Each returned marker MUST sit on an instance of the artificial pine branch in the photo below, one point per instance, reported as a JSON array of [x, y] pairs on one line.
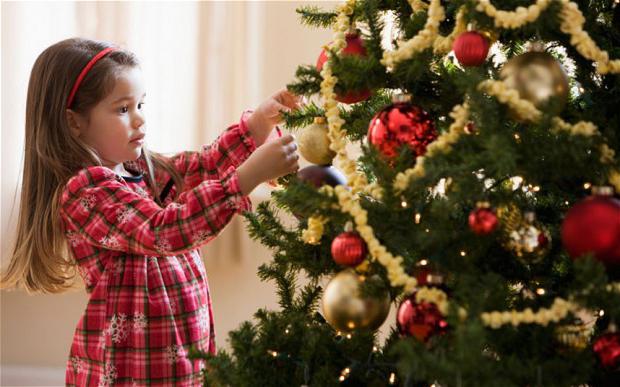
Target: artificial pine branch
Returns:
[[313, 16]]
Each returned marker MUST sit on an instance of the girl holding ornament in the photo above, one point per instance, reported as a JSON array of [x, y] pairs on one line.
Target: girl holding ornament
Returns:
[[133, 220]]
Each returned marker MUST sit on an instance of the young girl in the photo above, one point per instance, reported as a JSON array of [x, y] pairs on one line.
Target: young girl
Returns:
[[133, 220]]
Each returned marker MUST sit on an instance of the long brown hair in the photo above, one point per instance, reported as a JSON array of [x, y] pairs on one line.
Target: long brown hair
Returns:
[[40, 260]]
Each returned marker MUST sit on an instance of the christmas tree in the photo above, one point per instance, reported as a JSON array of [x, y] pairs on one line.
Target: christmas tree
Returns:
[[482, 205]]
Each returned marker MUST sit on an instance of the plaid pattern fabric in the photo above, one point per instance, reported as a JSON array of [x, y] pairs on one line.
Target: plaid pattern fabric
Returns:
[[149, 297]]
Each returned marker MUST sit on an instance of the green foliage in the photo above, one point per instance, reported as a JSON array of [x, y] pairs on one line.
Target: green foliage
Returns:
[[313, 16], [488, 277]]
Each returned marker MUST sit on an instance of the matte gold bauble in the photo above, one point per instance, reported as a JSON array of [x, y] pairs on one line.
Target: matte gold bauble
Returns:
[[314, 144], [539, 78], [344, 307]]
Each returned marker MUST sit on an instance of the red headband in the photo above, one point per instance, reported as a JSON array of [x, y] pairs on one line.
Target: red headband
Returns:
[[85, 71]]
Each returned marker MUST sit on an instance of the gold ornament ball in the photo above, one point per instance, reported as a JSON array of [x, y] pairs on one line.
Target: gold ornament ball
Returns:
[[574, 337], [314, 144], [539, 78], [527, 239], [344, 307]]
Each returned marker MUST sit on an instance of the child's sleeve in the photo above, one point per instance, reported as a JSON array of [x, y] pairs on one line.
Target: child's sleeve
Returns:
[[230, 149], [98, 206]]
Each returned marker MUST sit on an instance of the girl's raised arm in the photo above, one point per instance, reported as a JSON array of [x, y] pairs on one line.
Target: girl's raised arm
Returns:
[[98, 207], [230, 149]]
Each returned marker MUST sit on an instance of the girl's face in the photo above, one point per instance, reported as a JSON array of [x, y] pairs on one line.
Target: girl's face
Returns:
[[115, 127]]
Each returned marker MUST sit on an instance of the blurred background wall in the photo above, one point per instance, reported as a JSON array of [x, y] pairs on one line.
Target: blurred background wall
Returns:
[[204, 63]]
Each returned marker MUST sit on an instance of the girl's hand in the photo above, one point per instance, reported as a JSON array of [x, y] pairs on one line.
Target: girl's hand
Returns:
[[268, 114], [269, 161]]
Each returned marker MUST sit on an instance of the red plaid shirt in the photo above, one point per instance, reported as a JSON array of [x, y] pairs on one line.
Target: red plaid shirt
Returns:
[[149, 298]]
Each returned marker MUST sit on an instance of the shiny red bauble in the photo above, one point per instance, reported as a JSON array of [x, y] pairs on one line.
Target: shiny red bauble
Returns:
[[420, 320], [471, 48], [349, 249], [401, 124], [607, 349], [593, 226], [355, 46], [483, 221], [319, 175]]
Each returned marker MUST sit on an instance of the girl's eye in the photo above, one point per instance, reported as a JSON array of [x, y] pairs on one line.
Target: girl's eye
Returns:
[[123, 109], [140, 105]]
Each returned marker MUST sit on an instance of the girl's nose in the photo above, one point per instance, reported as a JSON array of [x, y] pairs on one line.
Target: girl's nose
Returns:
[[138, 121]]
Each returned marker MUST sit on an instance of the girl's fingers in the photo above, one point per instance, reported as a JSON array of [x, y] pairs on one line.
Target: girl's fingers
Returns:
[[292, 157], [282, 108], [287, 138], [294, 167], [289, 99]]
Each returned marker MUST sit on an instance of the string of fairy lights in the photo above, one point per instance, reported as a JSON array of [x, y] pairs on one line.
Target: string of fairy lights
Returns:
[[572, 22]]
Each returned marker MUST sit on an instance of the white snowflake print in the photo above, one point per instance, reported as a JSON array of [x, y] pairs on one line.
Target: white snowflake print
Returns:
[[74, 238], [175, 205], [162, 245], [101, 343], [174, 352], [139, 322], [88, 202], [123, 215], [203, 319], [200, 236], [117, 329], [110, 242], [78, 365], [85, 275], [108, 377]]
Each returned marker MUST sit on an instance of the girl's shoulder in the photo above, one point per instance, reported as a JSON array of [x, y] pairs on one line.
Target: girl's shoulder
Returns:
[[90, 177]]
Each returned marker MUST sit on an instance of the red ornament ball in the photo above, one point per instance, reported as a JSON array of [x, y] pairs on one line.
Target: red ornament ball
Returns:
[[593, 226], [349, 249], [483, 221], [401, 124], [471, 48], [318, 175], [420, 320], [355, 46], [607, 349], [426, 275], [422, 274]]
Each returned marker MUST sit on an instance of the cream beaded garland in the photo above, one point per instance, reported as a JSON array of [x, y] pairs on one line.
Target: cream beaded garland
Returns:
[[558, 310], [514, 19], [460, 114], [572, 23], [356, 181], [393, 265], [443, 44], [423, 40], [526, 110], [313, 234]]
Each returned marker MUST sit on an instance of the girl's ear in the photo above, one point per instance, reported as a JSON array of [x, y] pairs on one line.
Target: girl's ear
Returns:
[[74, 120]]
